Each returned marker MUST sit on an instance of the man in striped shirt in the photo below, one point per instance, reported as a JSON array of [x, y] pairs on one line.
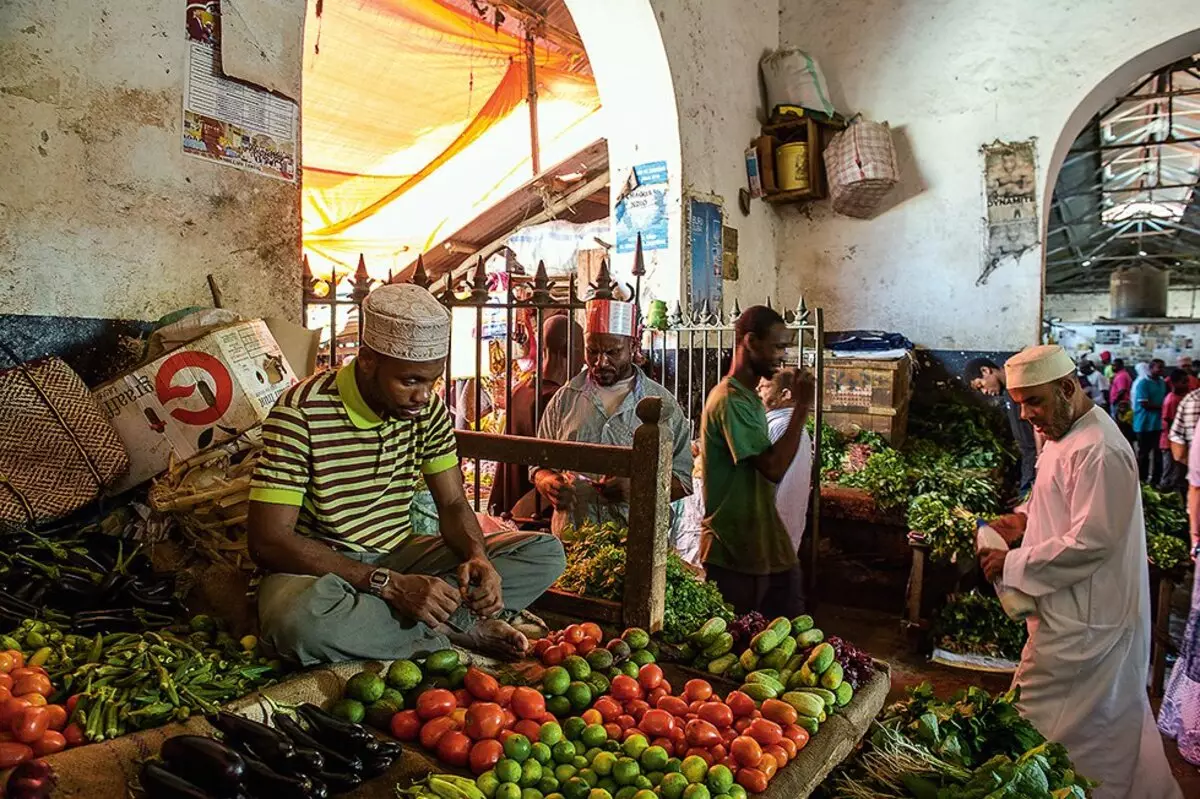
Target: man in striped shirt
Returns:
[[329, 509]]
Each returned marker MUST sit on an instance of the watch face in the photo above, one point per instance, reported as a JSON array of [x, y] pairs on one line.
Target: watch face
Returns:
[[379, 578]]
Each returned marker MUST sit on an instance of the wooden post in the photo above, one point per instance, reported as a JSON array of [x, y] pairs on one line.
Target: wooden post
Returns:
[[916, 582], [649, 494], [1160, 639]]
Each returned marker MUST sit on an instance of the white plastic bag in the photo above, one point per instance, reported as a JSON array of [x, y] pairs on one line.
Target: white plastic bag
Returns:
[[793, 77]]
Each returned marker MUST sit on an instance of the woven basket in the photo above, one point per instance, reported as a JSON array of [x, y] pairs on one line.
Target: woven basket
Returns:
[[860, 164], [57, 448]]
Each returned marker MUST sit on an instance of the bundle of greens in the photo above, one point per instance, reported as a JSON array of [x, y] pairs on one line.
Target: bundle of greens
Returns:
[[885, 477], [949, 530], [1168, 552], [833, 448], [975, 624], [1163, 512], [973, 434], [974, 746]]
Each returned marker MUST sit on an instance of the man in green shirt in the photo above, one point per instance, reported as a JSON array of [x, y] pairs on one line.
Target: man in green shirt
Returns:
[[330, 509], [745, 545]]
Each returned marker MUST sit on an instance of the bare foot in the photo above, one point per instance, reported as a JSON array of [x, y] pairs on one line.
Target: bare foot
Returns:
[[493, 637]]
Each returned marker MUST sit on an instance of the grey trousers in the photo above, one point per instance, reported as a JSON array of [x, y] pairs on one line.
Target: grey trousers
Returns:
[[326, 620]]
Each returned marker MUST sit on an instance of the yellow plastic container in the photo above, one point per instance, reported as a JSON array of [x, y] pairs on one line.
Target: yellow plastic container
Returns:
[[791, 167]]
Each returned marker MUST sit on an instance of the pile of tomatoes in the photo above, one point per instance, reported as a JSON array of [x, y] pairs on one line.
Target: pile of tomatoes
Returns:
[[468, 727], [754, 743], [577, 639], [29, 726]]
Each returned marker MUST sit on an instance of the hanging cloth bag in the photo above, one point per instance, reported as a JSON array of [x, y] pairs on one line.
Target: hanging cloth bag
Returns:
[[860, 165], [57, 448]]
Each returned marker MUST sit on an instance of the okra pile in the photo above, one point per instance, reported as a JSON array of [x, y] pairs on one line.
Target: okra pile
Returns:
[[120, 682]]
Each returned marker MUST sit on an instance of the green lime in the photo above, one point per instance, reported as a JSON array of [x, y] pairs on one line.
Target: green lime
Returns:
[[577, 667], [443, 661], [593, 735], [636, 637], [674, 765], [508, 790], [579, 762], [615, 672], [393, 695], [672, 785], [626, 771], [720, 779], [563, 752], [653, 758], [457, 677], [722, 796], [645, 794], [611, 745], [599, 793], [564, 772], [555, 681], [592, 754], [517, 748], [531, 793], [694, 768], [351, 710], [589, 776], [487, 783], [540, 752], [655, 778], [555, 795], [607, 784], [558, 706], [628, 792], [634, 745], [580, 695], [603, 763], [630, 669], [598, 683], [365, 687], [531, 773], [379, 713], [575, 788], [600, 659], [508, 770], [696, 791], [573, 727], [641, 657], [737, 792], [547, 784], [550, 733], [642, 783]]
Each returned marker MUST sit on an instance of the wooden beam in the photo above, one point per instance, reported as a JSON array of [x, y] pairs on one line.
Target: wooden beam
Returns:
[[571, 456], [646, 543]]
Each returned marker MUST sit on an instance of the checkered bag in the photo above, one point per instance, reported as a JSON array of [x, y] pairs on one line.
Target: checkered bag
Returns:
[[860, 166], [57, 448]]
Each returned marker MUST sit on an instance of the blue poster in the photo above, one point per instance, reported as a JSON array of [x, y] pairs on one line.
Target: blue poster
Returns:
[[705, 254], [644, 210]]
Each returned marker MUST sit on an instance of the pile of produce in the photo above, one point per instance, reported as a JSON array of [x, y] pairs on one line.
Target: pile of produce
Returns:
[[1166, 529], [596, 569], [976, 624], [745, 627], [30, 725], [975, 436], [948, 529], [579, 669], [1168, 552], [116, 683], [970, 747], [310, 755]]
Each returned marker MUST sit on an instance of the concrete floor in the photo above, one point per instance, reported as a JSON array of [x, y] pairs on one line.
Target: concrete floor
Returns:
[[881, 635]]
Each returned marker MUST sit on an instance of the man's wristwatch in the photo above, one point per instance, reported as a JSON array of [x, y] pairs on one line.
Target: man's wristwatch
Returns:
[[379, 581]]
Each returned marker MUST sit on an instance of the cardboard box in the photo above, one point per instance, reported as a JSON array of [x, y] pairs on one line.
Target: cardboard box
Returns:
[[195, 397]]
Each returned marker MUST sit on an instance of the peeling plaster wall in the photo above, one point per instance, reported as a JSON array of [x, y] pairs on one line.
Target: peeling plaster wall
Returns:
[[1183, 303], [101, 214], [949, 75]]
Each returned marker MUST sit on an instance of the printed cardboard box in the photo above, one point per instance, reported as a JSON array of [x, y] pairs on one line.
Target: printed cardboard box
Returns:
[[195, 397]]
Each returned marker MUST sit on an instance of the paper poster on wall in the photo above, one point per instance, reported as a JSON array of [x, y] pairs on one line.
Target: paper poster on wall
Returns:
[[227, 121], [1010, 194], [643, 209], [704, 252]]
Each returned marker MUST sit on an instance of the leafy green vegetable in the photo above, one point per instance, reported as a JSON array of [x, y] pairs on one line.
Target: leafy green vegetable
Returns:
[[1168, 552], [975, 624], [885, 477], [949, 530], [1163, 512], [973, 434]]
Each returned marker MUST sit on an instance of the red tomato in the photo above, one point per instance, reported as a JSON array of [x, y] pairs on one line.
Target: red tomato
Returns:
[[614, 730], [27, 671], [510, 719], [573, 634], [484, 755], [481, 684], [6, 663], [592, 716], [74, 733], [58, 716], [35, 700], [625, 688], [17, 657], [717, 714], [71, 703], [719, 752], [434, 703], [657, 723], [505, 735], [746, 751], [797, 734], [701, 752], [528, 703], [484, 720], [462, 697], [768, 765], [530, 728], [665, 743], [540, 646], [673, 705], [405, 726], [6, 680], [694, 706], [608, 708], [5, 695], [741, 704], [789, 746], [6, 736], [779, 712], [50, 743], [32, 684], [697, 690], [778, 753], [681, 749], [14, 754], [568, 649], [666, 686], [727, 735], [765, 732], [433, 731], [504, 696], [554, 655], [731, 764], [10, 709], [30, 724], [742, 724], [650, 676], [757, 714], [625, 721], [454, 748], [701, 733], [459, 716], [592, 631], [657, 694], [678, 736], [585, 646], [753, 780], [637, 708]]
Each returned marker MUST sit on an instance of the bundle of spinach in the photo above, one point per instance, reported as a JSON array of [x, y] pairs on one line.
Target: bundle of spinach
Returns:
[[833, 447], [885, 477], [1163, 512], [1168, 552], [975, 624], [971, 433], [949, 530]]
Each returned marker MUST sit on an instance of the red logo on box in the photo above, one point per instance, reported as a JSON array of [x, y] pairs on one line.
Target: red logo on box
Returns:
[[218, 403]]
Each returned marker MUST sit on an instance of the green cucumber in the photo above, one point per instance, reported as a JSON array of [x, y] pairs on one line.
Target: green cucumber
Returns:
[[821, 658], [810, 638], [844, 694], [721, 664], [802, 624], [720, 645], [708, 633], [759, 692], [749, 660], [806, 704], [808, 724], [765, 641], [780, 626], [832, 678]]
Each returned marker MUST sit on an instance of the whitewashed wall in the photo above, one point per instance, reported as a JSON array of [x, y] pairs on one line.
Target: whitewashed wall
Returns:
[[1183, 303]]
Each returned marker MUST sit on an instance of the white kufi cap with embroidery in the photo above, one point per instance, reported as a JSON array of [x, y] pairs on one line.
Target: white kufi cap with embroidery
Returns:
[[1037, 366], [405, 321]]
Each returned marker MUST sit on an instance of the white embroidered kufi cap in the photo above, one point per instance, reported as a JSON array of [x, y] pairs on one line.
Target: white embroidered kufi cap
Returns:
[[405, 321], [1036, 366]]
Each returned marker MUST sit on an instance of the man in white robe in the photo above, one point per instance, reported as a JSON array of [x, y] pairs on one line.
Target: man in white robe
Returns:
[[1083, 559]]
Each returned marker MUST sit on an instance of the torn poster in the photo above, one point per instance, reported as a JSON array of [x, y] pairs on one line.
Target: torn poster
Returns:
[[227, 121], [643, 209], [1012, 221]]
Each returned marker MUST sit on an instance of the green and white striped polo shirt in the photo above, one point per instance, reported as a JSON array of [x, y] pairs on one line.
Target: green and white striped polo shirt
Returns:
[[351, 473]]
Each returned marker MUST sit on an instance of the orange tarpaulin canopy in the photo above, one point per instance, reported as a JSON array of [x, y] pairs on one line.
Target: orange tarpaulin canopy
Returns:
[[415, 119]]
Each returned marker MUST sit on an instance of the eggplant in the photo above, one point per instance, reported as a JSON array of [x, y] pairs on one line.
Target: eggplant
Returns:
[[335, 732], [319, 790], [262, 781], [161, 783], [204, 761], [339, 782], [307, 761], [335, 759], [270, 746], [392, 749], [377, 766]]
